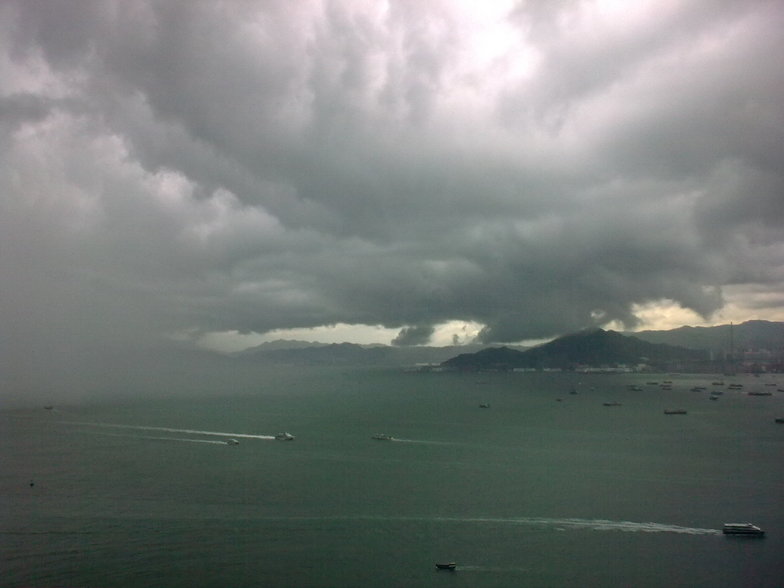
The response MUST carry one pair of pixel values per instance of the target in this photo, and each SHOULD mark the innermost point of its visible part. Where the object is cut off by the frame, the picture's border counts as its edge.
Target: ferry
(742, 529)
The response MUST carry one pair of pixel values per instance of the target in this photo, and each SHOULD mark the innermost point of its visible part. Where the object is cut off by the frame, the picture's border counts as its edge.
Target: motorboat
(446, 566)
(742, 529)
(484, 405)
(284, 437)
(382, 437)
(232, 442)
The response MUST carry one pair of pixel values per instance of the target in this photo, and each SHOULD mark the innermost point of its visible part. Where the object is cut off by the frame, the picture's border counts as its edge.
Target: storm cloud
(179, 168)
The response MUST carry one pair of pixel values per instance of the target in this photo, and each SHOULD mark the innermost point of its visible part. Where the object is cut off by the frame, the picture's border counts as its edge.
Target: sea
(545, 486)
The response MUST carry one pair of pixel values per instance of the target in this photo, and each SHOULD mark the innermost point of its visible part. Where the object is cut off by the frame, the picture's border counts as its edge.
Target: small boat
(779, 420)
(382, 437)
(284, 437)
(742, 529)
(634, 388)
(674, 411)
(718, 383)
(761, 393)
(484, 405)
(611, 403)
(446, 566)
(49, 407)
(232, 442)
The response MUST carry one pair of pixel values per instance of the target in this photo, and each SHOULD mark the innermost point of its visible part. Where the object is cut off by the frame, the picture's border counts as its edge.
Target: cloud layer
(197, 167)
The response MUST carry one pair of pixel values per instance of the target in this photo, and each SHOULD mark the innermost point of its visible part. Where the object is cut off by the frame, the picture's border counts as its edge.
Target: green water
(531, 491)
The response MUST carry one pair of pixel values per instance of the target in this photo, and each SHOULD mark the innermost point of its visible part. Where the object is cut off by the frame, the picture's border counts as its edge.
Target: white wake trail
(169, 430)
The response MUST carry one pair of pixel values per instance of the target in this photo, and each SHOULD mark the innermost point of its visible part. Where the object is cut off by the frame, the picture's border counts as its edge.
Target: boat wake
(161, 438)
(169, 430)
(608, 525)
(561, 524)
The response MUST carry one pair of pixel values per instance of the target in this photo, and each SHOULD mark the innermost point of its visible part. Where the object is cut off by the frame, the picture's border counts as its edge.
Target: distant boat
(232, 442)
(634, 388)
(718, 383)
(573, 390)
(780, 420)
(49, 407)
(611, 404)
(735, 386)
(382, 437)
(760, 393)
(674, 411)
(284, 437)
(446, 566)
(484, 405)
(742, 529)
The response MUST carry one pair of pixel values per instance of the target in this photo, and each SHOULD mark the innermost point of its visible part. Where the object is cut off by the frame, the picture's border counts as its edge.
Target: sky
(217, 174)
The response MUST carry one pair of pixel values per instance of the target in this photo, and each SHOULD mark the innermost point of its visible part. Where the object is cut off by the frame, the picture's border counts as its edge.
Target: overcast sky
(220, 173)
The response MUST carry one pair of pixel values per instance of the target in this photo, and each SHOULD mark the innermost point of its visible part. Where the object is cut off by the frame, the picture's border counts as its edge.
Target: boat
(446, 566)
(634, 388)
(484, 405)
(674, 411)
(742, 529)
(232, 442)
(284, 437)
(779, 420)
(382, 437)
(718, 383)
(761, 393)
(611, 403)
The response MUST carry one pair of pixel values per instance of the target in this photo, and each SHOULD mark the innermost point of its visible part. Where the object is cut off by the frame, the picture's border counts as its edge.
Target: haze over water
(532, 491)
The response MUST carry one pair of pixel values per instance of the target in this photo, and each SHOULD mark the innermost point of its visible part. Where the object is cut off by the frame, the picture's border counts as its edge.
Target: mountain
(751, 335)
(299, 352)
(593, 348)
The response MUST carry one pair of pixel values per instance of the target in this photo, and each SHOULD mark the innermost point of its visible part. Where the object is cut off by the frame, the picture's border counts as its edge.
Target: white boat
(284, 437)
(742, 529)
(382, 437)
(232, 442)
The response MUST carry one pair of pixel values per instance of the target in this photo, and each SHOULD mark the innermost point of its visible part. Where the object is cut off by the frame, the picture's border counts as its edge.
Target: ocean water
(543, 488)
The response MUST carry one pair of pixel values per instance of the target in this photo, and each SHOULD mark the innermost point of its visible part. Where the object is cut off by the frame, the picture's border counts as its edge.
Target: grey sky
(188, 169)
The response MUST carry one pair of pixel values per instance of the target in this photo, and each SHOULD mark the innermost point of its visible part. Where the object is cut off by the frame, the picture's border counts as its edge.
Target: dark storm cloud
(187, 167)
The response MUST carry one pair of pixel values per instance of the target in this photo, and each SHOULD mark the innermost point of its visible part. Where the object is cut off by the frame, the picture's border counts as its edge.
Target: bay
(541, 488)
